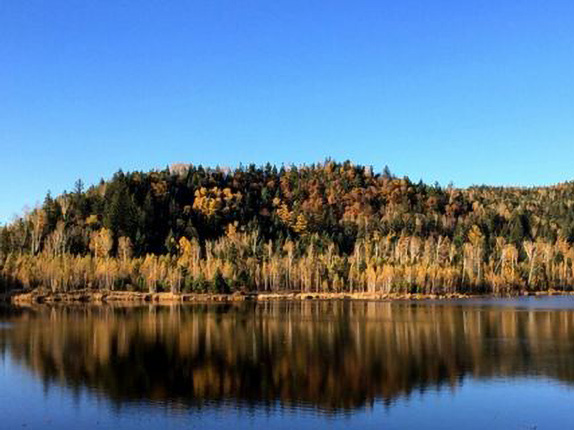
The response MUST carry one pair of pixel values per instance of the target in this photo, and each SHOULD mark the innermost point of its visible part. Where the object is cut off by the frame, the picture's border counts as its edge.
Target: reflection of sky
(523, 403)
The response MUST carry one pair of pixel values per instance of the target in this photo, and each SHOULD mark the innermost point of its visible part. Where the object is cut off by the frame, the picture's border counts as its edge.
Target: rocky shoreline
(102, 297)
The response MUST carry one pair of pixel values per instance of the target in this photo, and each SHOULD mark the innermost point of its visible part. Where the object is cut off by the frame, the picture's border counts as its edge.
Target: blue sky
(462, 91)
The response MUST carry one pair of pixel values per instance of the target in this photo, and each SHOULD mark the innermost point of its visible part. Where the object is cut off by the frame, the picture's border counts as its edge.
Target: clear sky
(463, 91)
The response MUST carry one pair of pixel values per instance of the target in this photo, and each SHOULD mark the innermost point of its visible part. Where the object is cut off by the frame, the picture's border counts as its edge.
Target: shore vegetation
(322, 228)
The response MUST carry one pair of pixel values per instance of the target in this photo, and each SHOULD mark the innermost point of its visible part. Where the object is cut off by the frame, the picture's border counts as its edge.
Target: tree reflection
(333, 356)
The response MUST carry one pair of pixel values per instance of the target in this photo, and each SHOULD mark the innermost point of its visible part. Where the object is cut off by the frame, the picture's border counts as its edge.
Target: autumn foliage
(327, 227)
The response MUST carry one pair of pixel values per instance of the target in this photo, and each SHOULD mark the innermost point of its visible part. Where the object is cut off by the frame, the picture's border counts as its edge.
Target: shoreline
(118, 297)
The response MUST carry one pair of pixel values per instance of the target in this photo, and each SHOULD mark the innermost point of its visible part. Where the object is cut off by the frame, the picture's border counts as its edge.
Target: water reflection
(333, 356)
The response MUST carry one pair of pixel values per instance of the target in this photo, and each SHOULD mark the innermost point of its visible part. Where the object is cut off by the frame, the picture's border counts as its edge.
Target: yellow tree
(101, 243)
(531, 250)
(125, 248)
(57, 240)
(38, 221)
(476, 238)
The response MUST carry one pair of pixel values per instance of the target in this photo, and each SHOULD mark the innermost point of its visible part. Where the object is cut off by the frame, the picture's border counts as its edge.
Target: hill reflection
(333, 356)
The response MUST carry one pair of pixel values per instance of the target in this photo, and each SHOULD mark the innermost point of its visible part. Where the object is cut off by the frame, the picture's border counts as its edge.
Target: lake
(472, 364)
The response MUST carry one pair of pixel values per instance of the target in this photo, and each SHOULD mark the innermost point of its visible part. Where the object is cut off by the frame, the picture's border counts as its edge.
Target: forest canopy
(322, 227)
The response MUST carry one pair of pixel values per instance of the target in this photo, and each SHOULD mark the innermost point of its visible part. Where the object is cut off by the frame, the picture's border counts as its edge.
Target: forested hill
(327, 226)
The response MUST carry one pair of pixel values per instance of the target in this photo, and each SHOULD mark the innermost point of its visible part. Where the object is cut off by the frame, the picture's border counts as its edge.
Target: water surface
(470, 364)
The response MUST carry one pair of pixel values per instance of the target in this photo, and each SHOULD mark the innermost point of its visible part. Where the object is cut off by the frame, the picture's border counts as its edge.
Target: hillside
(324, 227)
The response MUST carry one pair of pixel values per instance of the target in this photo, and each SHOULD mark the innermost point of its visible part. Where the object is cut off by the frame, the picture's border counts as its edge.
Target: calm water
(487, 364)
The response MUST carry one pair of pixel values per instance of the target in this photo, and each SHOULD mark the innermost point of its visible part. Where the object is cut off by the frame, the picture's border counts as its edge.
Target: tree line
(326, 227)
